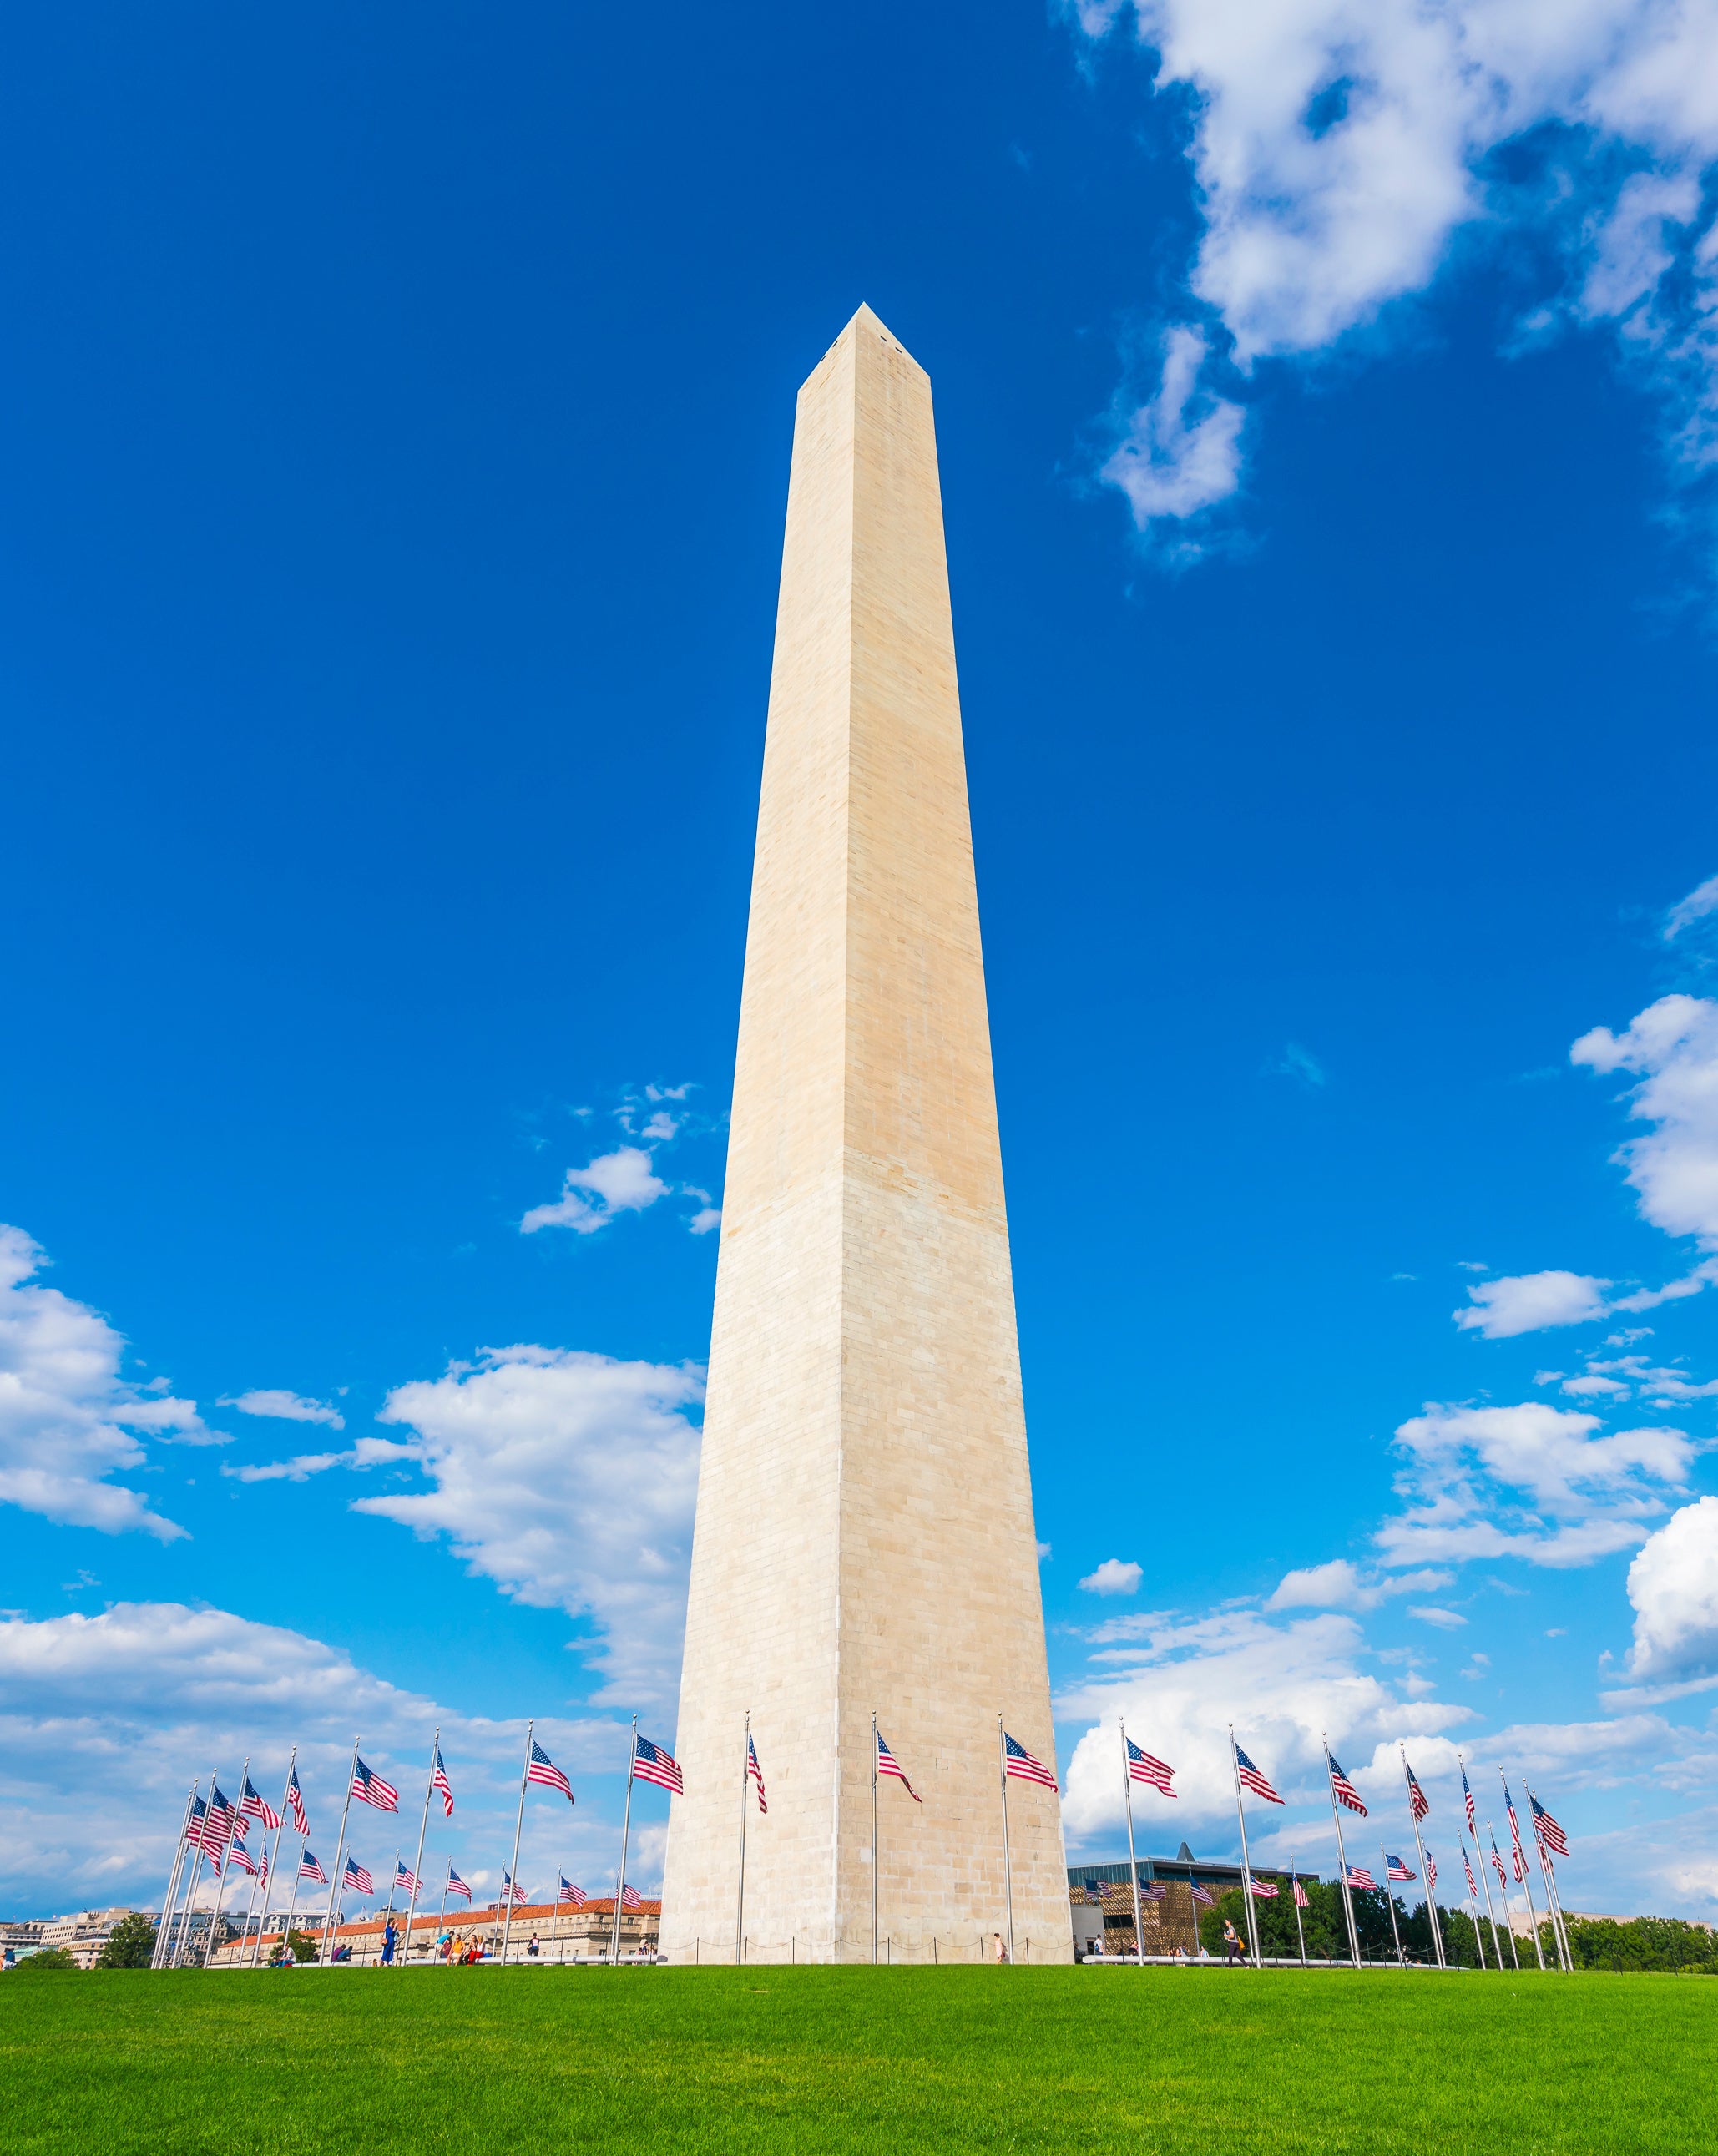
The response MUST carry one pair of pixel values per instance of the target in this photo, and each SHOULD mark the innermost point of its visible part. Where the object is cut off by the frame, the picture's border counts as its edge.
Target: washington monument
(864, 1541)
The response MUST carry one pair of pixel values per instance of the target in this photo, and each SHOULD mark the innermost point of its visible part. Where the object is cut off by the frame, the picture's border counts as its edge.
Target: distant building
(564, 1934)
(82, 1934)
(1101, 1901)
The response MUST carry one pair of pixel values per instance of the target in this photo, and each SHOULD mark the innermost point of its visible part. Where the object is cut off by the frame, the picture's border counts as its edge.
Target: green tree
(46, 1958)
(131, 1944)
(1660, 1943)
(299, 1944)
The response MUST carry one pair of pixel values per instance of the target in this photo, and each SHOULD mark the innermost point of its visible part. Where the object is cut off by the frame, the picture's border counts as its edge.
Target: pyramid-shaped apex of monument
(866, 321)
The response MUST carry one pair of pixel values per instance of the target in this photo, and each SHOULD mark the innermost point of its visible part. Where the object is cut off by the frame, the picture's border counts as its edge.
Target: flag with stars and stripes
(1251, 1778)
(1017, 1760)
(1346, 1792)
(1473, 1884)
(370, 1789)
(456, 1886)
(193, 1825)
(567, 1896)
(1143, 1768)
(1263, 1890)
(1431, 1873)
(1358, 1875)
(1497, 1866)
(405, 1877)
(253, 1804)
(295, 1805)
(357, 1878)
(631, 1898)
(655, 1762)
(1551, 1834)
(887, 1763)
(1468, 1800)
(1394, 1868)
(1203, 1895)
(754, 1772)
(1416, 1796)
(438, 1782)
(218, 1820)
(1300, 1896)
(511, 1892)
(310, 1868)
(540, 1767)
(1156, 1892)
(241, 1859)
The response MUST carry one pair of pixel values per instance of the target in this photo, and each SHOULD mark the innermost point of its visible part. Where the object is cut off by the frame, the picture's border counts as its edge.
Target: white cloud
(1180, 451)
(1528, 1302)
(367, 1452)
(1531, 1481)
(1340, 1585)
(287, 1407)
(1699, 902)
(1448, 1620)
(660, 1128)
(623, 1181)
(68, 1419)
(1673, 1584)
(704, 1219)
(1336, 152)
(104, 1720)
(1114, 1576)
(1674, 1045)
(568, 1479)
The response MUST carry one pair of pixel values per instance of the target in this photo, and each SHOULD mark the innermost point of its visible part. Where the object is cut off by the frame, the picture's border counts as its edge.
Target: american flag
(1251, 1778)
(1143, 1768)
(1497, 1866)
(218, 1824)
(1017, 1760)
(295, 1805)
(193, 1825)
(540, 1767)
(1551, 1834)
(887, 1763)
(1473, 1884)
(1394, 1868)
(1468, 1799)
(403, 1875)
(1300, 1898)
(1156, 1892)
(631, 1898)
(1264, 1889)
(1431, 1871)
(310, 1868)
(357, 1878)
(567, 1896)
(1518, 1859)
(653, 1763)
(252, 1804)
(438, 1780)
(1346, 1792)
(1204, 1896)
(754, 1772)
(1416, 1796)
(369, 1789)
(456, 1886)
(1516, 1836)
(1358, 1875)
(241, 1858)
(510, 1892)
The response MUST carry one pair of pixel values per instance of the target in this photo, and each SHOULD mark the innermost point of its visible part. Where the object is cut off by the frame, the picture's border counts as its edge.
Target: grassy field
(498, 2060)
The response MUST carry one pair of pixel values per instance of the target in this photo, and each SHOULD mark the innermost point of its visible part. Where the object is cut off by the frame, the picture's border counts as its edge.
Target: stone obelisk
(864, 1539)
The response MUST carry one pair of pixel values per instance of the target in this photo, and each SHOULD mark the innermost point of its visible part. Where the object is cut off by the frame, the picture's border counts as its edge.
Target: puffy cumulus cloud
(625, 1181)
(1337, 151)
(103, 1722)
(1528, 1302)
(1115, 1576)
(1340, 1585)
(1177, 1682)
(287, 1407)
(569, 1480)
(1532, 1480)
(68, 1419)
(1673, 1585)
(1673, 1047)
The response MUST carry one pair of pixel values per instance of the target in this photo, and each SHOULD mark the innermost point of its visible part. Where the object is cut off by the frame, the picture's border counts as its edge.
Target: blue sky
(396, 423)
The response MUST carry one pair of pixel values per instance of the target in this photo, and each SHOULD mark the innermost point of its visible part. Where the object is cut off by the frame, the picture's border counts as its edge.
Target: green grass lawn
(820, 2059)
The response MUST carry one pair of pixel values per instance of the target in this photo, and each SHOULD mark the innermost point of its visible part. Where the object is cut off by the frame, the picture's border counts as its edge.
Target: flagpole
(739, 1919)
(1133, 1861)
(231, 1836)
(441, 1920)
(1490, 1913)
(1391, 1899)
(626, 1833)
(190, 1908)
(292, 1903)
(874, 1836)
(268, 1884)
(1299, 1928)
(251, 1910)
(1341, 1855)
(337, 1877)
(1007, 1861)
(1515, 1955)
(1245, 1865)
(511, 1882)
(1478, 1935)
(1550, 1870)
(1425, 1876)
(1517, 1857)
(168, 1898)
(422, 1829)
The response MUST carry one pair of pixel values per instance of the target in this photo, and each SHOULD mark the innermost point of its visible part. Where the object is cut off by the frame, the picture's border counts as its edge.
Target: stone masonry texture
(864, 1538)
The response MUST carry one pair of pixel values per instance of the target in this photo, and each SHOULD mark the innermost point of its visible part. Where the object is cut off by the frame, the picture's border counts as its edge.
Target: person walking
(388, 1938)
(1234, 1947)
(999, 1948)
